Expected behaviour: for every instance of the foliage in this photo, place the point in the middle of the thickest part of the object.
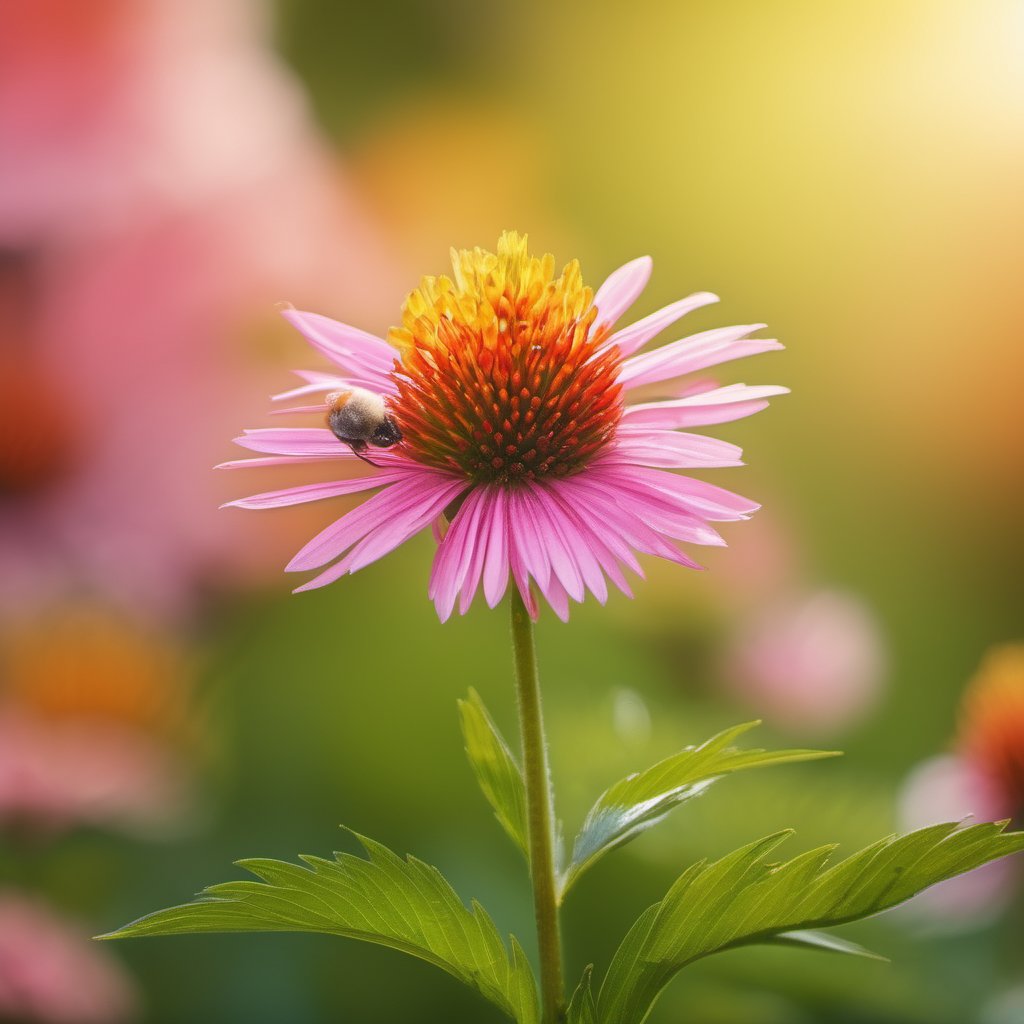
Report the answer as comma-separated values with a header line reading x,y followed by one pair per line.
x,y
404,904
497,772
643,799
742,899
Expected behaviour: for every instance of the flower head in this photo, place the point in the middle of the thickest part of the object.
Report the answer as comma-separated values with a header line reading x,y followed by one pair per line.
x,y
991,729
93,725
511,390
982,777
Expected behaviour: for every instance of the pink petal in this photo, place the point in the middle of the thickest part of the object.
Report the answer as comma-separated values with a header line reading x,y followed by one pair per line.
x,y
703,499
496,565
618,548
455,554
311,442
522,580
354,350
399,498
555,595
389,535
318,377
323,383
674,450
525,538
631,339
621,289
697,352
720,405
668,515
330,382
477,553
315,492
677,525
586,546
275,460
402,521
295,409
548,518
626,523
294,441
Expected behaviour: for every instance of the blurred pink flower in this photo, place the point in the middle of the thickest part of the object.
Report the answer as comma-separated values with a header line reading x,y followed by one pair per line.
x,y
55,775
117,113
813,664
161,184
950,788
983,778
51,973
93,725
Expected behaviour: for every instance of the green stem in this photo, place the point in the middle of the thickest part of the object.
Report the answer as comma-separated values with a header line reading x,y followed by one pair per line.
x,y
539,813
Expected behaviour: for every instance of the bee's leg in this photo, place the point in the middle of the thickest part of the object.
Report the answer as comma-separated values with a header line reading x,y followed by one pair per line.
x,y
359,451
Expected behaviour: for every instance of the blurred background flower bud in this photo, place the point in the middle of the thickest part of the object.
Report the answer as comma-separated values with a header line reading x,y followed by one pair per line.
x,y
52,973
811,664
982,778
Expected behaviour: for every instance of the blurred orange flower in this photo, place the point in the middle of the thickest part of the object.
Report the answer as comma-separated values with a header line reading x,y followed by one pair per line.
x,y
94,725
991,729
983,778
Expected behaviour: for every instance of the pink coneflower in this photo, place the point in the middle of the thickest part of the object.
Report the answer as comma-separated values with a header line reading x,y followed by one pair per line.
x,y
510,387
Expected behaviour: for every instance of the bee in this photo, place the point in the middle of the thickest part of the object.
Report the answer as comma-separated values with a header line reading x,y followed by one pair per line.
x,y
360,418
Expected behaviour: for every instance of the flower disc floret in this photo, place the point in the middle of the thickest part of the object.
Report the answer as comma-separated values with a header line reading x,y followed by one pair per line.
x,y
502,376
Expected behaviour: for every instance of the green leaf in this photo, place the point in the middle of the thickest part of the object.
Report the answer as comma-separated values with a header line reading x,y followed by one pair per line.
x,y
743,899
404,904
497,771
823,941
582,1009
644,798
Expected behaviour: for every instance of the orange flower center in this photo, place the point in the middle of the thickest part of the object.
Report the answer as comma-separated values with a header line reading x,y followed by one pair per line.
x,y
502,376
81,662
991,730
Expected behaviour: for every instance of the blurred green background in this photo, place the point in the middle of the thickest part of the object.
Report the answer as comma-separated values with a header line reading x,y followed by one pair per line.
x,y
850,174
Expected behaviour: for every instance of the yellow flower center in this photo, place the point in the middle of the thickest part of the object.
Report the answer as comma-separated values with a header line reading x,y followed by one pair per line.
x,y
502,376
